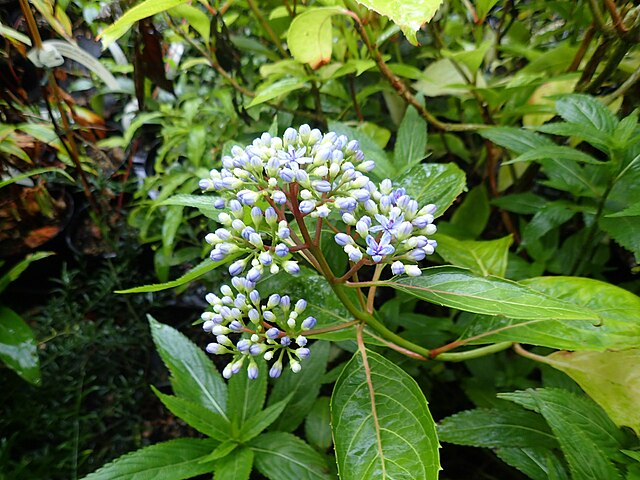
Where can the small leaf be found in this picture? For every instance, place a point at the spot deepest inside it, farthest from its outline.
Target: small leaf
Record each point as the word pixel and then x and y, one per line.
pixel 317 425
pixel 510 427
pixel 487 257
pixel 537 463
pixel 625 231
pixel 518 140
pixel 277 89
pixel 35 171
pixel 246 396
pixel 310 35
pixel 395 440
pixel 409 15
pixel 459 288
pixel 612 379
pixel 18 347
pixel 282 456
pixel 261 420
pixel 197 416
pixel 235 467
pixel 583 109
pixel 145 9
pixel 193 375
pixel 411 141
pixel 172 460
pixel 557 153
pixel 204 203
pixel 438 183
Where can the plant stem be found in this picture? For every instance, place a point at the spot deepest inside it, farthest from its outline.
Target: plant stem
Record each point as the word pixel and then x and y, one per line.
pixel 332 328
pixel 475 353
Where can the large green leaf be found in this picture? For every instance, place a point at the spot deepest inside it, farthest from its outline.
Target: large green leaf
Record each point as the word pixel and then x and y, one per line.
pixel 558 152
pixel 204 203
pixel 261 420
pixel 172 460
pixel 618 310
pixel 587 437
pixel 197 416
pixel 282 456
pixel 145 9
pixel 460 288
pixel 517 140
pixel 583 109
pixel 310 36
pixel 409 15
pixel 612 379
pixel 193 375
pixel 371 149
pixel 304 386
pixel 438 183
pixel 18 347
pixel 235 466
pixel 487 257
pixel 496 427
pixel 471 217
pixel 537 463
pixel 381 423
pixel 277 89
pixel 246 396
pixel 625 231
pixel 411 141
pixel 317 424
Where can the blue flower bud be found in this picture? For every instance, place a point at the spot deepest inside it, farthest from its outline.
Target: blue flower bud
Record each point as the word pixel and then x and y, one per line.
pixel 287 175
pixel 254 315
pixel 236 326
pixel 285 341
pixel 397 268
pixel 273 301
pixel 282 250
pixel 265 258
pixel 416 254
pixel 272 333
pixel 301 341
pixel 307 206
pixel 255 240
pixel 321 186
pixel 205 184
pixel 235 206
pixel 303 353
pixel 285 302
pixel 253 371
pixel 217 255
pixel 300 305
pixel 276 370
pixel 208 325
pixel 243 345
pixel 256 215
pixel 223 234
pixel 309 323
pixel 283 233
pixel 254 274
pixel 216 349
pixel 279 197
pixel 237 267
pixel 346 203
pixel 343 239
pixel 348 218
pixel 290 135
pixel 254 296
pixel 257 348
pixel 219 203
pixel 271 216
pixel 291 267
pixel 269 316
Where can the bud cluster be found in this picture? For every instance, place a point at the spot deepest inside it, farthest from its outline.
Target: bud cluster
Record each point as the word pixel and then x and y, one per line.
pixel 247 326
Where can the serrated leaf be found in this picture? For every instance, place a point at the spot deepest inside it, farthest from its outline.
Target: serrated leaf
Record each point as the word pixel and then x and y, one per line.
pixel 437 183
pixel 277 89
pixel 145 9
pixel 587 437
pixel 484 427
pixel 411 141
pixel 172 460
pixel 583 109
pixel 235 467
pixel 18 347
pixel 246 396
pixel 261 420
pixel 409 15
pixel 618 310
pixel 557 153
pixel 398 440
pixel 193 375
pixel 625 231
pixel 196 272
pixel 304 386
pixel 283 456
pixel 197 416
pixel 485 257
pixel 518 140
pixel 310 35
pixel 612 379
pixel 537 463
pixel 317 424
pixel 460 288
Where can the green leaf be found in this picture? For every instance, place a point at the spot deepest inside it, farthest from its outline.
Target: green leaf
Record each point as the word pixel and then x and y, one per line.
pixel 557 153
pixel 487 257
pixel 221 451
pixel 235 467
pixel 246 396
pixel 310 35
pixel 195 18
pixel 277 89
pixel 381 423
pixel 317 425
pixel 631 211
pixel 496 427
pixel 460 288
pixel 36 171
pixel 204 203
pixel 524 203
pixel 438 183
pixel 409 15
pixel 587 437
pixel 15 271
pixel 517 140
pixel 172 460
pixel 625 231
pixel 551 216
pixel 261 420
pixel 411 141
pixel 304 386
pixel 145 9
pixel 591 134
pixel 583 109
pixel 371 150
pixel 282 456
pixel 618 310
pixel 196 272
pixel 193 375
pixel 18 347
pixel 197 416
pixel 537 463
pixel 473 214
pixel 612 379
pixel 483 7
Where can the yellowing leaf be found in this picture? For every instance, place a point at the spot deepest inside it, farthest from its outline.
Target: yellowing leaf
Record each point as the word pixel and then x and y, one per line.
pixel 409 15
pixel 310 36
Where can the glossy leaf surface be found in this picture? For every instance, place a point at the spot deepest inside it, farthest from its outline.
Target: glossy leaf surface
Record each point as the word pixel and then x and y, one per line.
pixel 438 183
pixel 487 257
pixel 235 466
pixel 18 347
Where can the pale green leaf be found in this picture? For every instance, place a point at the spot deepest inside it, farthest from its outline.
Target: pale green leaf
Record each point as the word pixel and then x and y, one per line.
pixel 310 35
pixel 36 171
pixel 196 19
pixel 277 89
pixel 411 141
pixel 487 257
pixel 396 441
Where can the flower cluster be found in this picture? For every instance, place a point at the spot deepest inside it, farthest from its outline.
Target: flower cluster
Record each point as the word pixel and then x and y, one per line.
pixel 273 328
pixel 264 186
